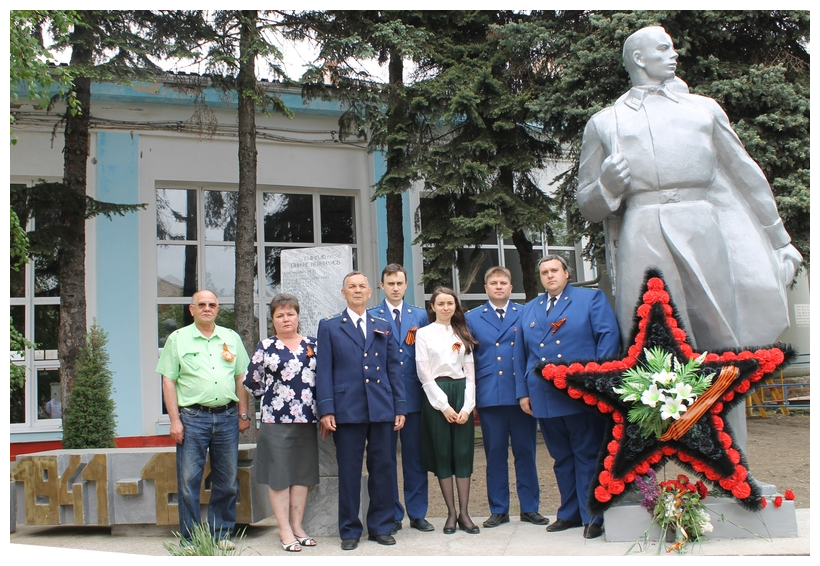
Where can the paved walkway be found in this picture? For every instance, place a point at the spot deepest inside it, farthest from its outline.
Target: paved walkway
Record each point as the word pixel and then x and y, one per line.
pixel 512 539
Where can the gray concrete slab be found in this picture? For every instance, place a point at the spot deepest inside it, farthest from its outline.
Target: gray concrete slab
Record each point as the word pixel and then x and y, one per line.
pixel 512 539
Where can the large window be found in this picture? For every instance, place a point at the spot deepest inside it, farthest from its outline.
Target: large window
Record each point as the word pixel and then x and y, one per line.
pixel 196 234
pixel 470 264
pixel 35 313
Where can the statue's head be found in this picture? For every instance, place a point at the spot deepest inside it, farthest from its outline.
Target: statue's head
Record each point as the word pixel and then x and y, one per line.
pixel 650 56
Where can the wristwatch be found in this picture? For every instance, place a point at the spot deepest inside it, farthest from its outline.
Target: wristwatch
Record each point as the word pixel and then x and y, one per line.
pixel 244 417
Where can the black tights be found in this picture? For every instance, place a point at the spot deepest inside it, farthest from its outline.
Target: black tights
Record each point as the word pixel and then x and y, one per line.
pixel 463 486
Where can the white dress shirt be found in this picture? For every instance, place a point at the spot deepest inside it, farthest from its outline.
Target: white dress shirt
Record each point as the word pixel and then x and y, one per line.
pixel 435 357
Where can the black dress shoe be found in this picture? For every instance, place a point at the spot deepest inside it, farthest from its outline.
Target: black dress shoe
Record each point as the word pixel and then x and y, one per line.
pixel 562 525
pixel 350 543
pixel 386 540
pixel 534 518
pixel 497 519
pixel 474 530
pixel 422 524
pixel 396 527
pixel 593 530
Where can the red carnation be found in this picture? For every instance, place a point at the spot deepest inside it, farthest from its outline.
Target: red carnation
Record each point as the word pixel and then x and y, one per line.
pixel 655 284
pixel 740 473
pixel 643 311
pixel 717 407
pixel 725 439
pixel 743 386
pixel 612 447
pixel 778 501
pixel 777 356
pixel 602 495
pixel 575 393
pixel 560 382
pixel 683 479
pixel 548 372
pixel 617 486
pixel 678 334
pixel 617 431
pixel 575 368
pixel 608 462
pixel 734 456
pixel 745 355
pixel 590 399
pixel 642 468
pixel 668 450
pixel 789 495
pixel 729 396
pixel 592 366
pixel 729 356
pixel 618 418
pixel 604 407
pixel 702 490
pixel 712 357
pixel 742 490
pixel 667 309
pixel 763 502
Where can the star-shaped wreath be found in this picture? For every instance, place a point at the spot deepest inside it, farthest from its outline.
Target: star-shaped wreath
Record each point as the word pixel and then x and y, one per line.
pixel 695 432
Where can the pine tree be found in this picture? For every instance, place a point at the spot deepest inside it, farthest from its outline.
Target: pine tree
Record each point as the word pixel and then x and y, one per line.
pixel 90 421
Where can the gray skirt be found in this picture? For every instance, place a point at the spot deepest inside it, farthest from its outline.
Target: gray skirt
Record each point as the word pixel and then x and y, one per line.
pixel 287 454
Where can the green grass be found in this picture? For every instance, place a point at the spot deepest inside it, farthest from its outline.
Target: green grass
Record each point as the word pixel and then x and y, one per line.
pixel 203 544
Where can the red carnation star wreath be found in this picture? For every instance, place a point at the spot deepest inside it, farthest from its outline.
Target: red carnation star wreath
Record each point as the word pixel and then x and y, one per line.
pixel 697 435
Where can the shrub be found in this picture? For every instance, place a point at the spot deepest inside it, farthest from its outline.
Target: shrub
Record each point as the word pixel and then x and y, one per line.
pixel 90 420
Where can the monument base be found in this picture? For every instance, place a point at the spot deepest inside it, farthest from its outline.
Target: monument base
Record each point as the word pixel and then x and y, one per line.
pixel 629 521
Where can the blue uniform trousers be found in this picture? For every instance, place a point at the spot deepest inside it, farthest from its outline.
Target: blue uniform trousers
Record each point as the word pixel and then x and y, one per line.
pixel 501 427
pixel 415 478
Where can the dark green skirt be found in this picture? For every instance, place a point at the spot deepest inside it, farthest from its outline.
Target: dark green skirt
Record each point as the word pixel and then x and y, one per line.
pixel 447 449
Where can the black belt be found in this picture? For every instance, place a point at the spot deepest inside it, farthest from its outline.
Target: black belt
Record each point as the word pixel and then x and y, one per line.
pixel 222 409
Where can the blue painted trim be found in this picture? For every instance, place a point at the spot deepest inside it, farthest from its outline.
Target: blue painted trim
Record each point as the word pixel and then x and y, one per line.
pixel 20 437
pixel 117 273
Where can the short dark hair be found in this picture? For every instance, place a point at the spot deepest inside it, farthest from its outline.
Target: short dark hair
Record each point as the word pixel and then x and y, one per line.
pixel 284 300
pixel 551 257
pixel 393 268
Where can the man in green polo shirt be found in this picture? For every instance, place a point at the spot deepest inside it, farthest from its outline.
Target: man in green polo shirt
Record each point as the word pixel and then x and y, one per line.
pixel 202 367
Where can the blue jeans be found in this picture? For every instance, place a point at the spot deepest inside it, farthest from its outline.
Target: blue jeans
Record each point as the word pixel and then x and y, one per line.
pixel 219 433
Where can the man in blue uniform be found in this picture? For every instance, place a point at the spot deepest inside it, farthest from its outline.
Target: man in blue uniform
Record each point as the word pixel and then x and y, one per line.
pixel 361 401
pixel 564 324
pixel 404 320
pixel 496 325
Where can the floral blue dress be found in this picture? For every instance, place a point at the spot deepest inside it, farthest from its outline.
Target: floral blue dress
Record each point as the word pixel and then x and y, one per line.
pixel 285 380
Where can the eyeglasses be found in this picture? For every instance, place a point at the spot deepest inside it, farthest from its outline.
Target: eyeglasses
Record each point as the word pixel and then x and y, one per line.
pixel 209 305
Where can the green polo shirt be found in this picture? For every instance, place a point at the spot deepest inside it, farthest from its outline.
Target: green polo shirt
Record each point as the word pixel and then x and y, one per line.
pixel 203 376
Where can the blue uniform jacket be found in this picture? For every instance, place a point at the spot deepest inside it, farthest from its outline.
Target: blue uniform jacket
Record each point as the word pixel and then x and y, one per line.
pixel 494 367
pixel 411 316
pixel 590 331
pixel 358 383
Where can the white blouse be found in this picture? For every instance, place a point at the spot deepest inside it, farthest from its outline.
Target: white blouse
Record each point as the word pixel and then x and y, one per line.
pixel 436 357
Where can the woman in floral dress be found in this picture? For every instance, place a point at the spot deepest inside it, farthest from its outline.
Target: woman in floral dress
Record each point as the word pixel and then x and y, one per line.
pixel 282 373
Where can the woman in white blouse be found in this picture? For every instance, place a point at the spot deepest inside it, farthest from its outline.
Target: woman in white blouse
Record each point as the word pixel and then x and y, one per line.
pixel 444 359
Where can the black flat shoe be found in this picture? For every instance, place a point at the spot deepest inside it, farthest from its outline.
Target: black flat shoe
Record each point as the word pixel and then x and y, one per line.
pixel 593 530
pixel 422 525
pixel 474 530
pixel 386 540
pixel 534 518
pixel 396 527
pixel 350 543
pixel 497 519
pixel 448 528
pixel 562 525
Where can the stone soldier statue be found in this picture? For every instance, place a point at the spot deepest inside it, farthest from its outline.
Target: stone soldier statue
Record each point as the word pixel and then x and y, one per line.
pixel 675 188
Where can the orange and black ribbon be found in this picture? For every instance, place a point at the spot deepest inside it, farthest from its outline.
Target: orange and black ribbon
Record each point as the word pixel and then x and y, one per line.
pixel 410 339
pixel 556 325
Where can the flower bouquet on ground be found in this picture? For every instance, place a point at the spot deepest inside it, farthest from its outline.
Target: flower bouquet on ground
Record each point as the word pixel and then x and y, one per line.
pixel 676 507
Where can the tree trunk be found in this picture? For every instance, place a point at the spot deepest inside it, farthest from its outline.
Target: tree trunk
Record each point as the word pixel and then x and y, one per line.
pixel 72 329
pixel 395 158
pixel 245 324
pixel 527 262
